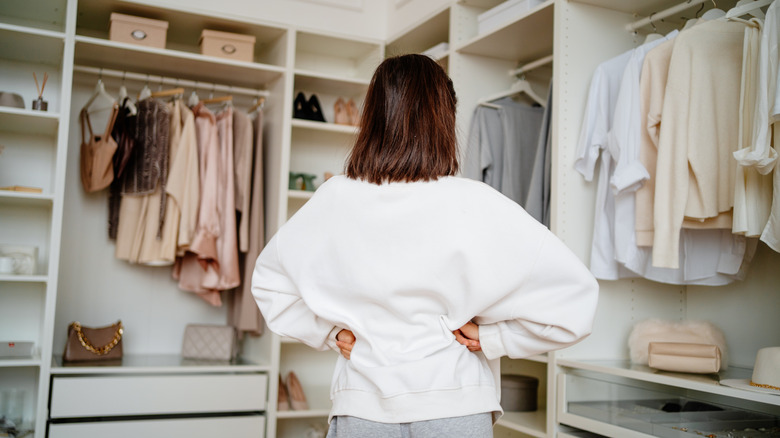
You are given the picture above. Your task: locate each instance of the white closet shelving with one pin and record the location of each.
(35, 143)
(69, 284)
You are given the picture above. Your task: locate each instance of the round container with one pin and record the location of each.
(518, 393)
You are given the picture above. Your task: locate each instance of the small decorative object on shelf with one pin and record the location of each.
(18, 259)
(16, 349)
(302, 181)
(12, 100)
(39, 104)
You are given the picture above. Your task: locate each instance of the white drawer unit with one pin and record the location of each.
(249, 426)
(119, 395)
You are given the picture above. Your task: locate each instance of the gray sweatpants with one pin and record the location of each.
(470, 426)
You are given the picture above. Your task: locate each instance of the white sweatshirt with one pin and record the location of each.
(402, 265)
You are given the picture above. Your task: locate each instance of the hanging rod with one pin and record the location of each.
(531, 65)
(156, 79)
(656, 16)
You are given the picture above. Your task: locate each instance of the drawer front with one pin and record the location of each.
(240, 427)
(93, 396)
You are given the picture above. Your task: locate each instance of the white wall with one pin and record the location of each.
(356, 18)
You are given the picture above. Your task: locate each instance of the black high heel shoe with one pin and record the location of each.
(301, 107)
(315, 111)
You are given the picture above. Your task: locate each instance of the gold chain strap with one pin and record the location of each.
(98, 350)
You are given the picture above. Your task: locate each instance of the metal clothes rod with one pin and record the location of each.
(155, 79)
(531, 65)
(656, 16)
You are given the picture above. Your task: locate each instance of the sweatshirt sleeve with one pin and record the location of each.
(281, 304)
(551, 309)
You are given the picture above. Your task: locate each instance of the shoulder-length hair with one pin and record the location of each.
(407, 128)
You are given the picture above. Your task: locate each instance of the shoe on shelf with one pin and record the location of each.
(300, 107)
(340, 113)
(295, 390)
(352, 113)
(315, 111)
(283, 403)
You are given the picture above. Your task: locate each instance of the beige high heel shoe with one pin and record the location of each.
(353, 113)
(340, 112)
(295, 390)
(283, 401)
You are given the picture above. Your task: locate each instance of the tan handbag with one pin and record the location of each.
(93, 344)
(97, 154)
(684, 357)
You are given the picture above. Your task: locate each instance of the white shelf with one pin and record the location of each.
(697, 382)
(422, 36)
(297, 194)
(46, 15)
(8, 197)
(158, 364)
(323, 126)
(32, 31)
(334, 84)
(642, 8)
(20, 362)
(27, 44)
(29, 121)
(24, 278)
(311, 413)
(529, 423)
(97, 52)
(528, 38)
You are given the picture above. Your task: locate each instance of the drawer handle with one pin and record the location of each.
(138, 34)
(229, 49)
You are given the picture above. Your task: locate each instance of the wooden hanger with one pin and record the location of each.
(219, 99)
(258, 104)
(170, 92)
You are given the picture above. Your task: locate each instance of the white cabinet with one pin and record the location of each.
(158, 395)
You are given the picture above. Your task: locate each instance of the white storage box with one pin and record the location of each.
(504, 13)
(138, 30)
(16, 349)
(227, 45)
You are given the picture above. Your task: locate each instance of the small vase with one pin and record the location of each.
(39, 104)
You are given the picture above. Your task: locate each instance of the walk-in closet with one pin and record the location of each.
(540, 118)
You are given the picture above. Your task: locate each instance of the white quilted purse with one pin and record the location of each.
(205, 341)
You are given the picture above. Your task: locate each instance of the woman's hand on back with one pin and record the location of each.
(345, 340)
(468, 335)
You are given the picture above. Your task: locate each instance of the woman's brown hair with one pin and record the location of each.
(407, 129)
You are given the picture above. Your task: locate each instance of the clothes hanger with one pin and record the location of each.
(714, 13)
(146, 92)
(521, 87)
(228, 100)
(100, 92)
(166, 93)
(745, 7)
(123, 97)
(654, 35)
(259, 102)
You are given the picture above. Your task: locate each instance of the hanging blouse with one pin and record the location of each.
(96, 155)
(699, 134)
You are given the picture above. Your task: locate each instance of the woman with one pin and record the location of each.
(400, 255)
